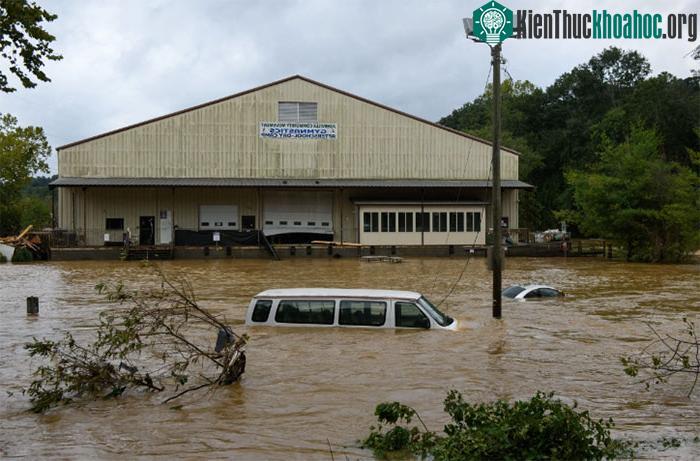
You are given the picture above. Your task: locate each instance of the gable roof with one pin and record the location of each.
(277, 82)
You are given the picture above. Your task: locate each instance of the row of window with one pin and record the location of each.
(296, 223)
(442, 221)
(357, 313)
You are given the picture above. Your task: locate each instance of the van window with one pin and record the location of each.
(261, 311)
(365, 313)
(409, 315)
(434, 312)
(305, 311)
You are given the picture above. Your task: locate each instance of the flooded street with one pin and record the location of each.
(305, 388)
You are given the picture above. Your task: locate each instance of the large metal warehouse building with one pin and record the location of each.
(296, 159)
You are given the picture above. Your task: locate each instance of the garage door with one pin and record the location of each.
(291, 212)
(218, 217)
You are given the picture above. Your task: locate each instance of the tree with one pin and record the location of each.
(23, 151)
(539, 428)
(631, 196)
(152, 343)
(24, 43)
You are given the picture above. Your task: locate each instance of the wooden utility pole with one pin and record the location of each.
(497, 261)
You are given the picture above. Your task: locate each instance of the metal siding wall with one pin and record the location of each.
(222, 140)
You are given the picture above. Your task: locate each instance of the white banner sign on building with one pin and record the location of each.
(298, 130)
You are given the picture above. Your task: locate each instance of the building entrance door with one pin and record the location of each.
(147, 230)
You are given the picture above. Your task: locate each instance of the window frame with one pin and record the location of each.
(255, 309)
(414, 304)
(375, 301)
(282, 302)
(298, 107)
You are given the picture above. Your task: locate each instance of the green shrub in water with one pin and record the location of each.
(22, 255)
(3, 259)
(539, 428)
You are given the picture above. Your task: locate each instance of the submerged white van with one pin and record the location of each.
(354, 308)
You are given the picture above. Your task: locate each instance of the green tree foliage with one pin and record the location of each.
(647, 205)
(539, 428)
(24, 43)
(23, 152)
(563, 128)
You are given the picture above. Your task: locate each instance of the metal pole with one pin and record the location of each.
(496, 166)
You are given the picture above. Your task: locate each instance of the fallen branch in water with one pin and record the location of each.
(153, 343)
(666, 356)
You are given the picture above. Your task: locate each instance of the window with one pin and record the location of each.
(512, 292)
(283, 223)
(409, 315)
(365, 313)
(434, 312)
(261, 311)
(325, 224)
(269, 223)
(473, 222)
(385, 222)
(297, 112)
(405, 222)
(549, 293)
(311, 223)
(305, 311)
(114, 224)
(422, 222)
(392, 222)
(439, 222)
(456, 221)
(371, 222)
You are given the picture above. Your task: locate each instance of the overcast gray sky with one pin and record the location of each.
(129, 60)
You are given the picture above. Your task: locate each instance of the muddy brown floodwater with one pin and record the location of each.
(305, 387)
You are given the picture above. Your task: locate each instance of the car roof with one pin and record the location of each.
(337, 293)
(533, 287)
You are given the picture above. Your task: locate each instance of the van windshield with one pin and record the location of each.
(434, 312)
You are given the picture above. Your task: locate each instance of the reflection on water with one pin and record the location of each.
(305, 387)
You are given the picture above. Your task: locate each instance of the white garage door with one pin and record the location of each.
(303, 211)
(218, 217)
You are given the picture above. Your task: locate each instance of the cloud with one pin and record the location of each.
(127, 61)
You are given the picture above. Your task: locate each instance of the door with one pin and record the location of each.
(218, 217)
(147, 230)
(298, 212)
(166, 227)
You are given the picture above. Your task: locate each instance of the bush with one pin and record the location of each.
(540, 428)
(3, 259)
(22, 255)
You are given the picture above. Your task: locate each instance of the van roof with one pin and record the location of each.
(337, 293)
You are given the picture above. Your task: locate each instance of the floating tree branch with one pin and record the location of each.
(666, 356)
(155, 341)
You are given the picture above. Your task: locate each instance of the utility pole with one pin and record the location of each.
(492, 23)
(497, 259)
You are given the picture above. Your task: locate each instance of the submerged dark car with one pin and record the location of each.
(531, 292)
